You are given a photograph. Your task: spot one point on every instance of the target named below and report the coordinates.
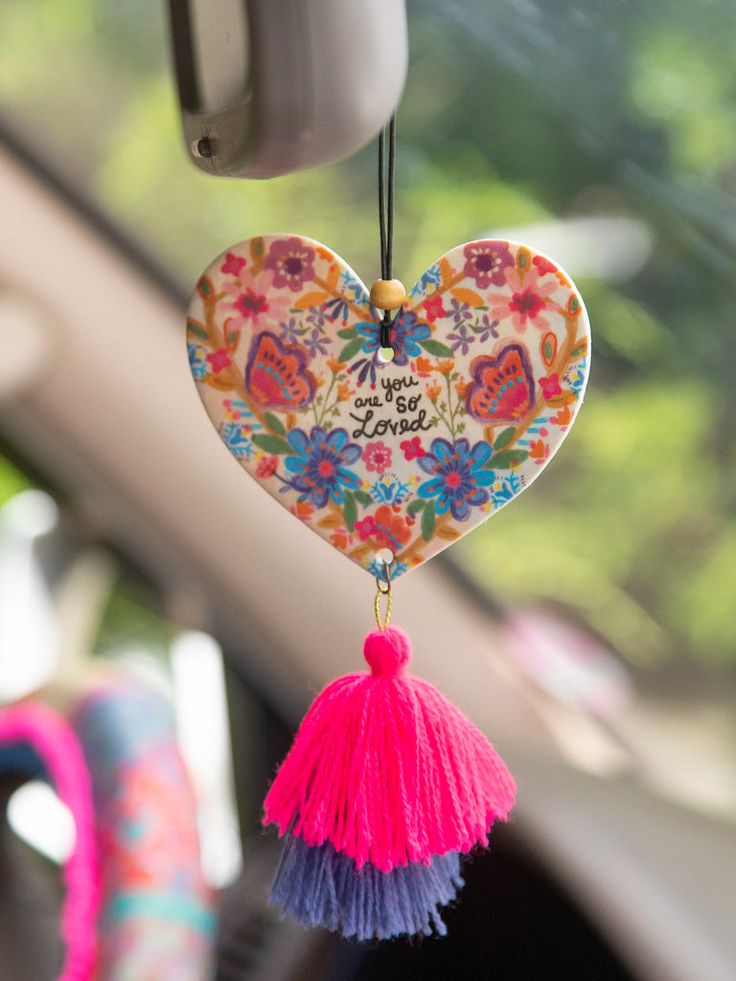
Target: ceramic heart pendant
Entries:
(490, 362)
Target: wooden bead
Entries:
(387, 294)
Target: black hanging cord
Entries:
(386, 188)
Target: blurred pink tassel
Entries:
(56, 745)
(388, 771)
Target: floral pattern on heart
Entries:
(491, 358)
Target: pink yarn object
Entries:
(56, 744)
(387, 770)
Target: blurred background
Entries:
(603, 134)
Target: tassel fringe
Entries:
(386, 785)
(319, 886)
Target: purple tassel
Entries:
(319, 886)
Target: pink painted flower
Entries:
(267, 466)
(219, 360)
(232, 265)
(292, 263)
(525, 302)
(433, 308)
(252, 301)
(249, 304)
(543, 265)
(377, 457)
(412, 448)
(550, 385)
(486, 263)
(365, 528)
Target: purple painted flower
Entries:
(320, 465)
(458, 478)
(486, 328)
(460, 311)
(317, 317)
(316, 343)
(461, 339)
(290, 332)
(292, 263)
(486, 262)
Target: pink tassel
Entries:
(60, 753)
(388, 771)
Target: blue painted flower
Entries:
(235, 439)
(337, 309)
(407, 333)
(378, 569)
(458, 478)
(353, 288)
(197, 360)
(507, 490)
(320, 465)
(576, 376)
(388, 489)
(432, 277)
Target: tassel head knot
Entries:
(387, 652)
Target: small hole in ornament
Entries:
(203, 148)
(385, 556)
(385, 354)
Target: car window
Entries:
(603, 133)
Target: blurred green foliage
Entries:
(514, 113)
(12, 481)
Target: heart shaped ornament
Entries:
(490, 362)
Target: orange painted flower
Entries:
(433, 391)
(563, 417)
(341, 538)
(538, 450)
(423, 367)
(302, 510)
(445, 367)
(334, 365)
(344, 391)
(461, 387)
(391, 529)
(319, 381)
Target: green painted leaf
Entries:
(416, 506)
(507, 459)
(362, 497)
(204, 287)
(436, 349)
(275, 423)
(197, 329)
(347, 333)
(350, 350)
(504, 438)
(350, 511)
(428, 521)
(272, 444)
